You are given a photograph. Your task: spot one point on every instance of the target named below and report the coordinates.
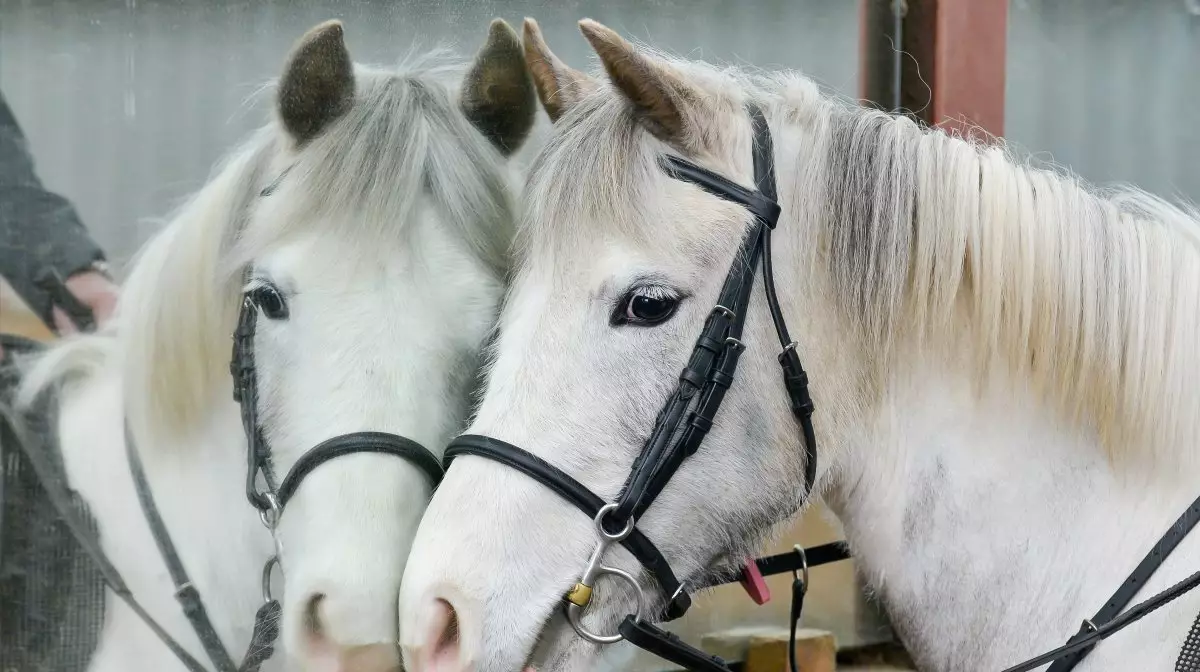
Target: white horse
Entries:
(1004, 363)
(376, 211)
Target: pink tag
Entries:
(754, 583)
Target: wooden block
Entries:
(816, 651)
(732, 644)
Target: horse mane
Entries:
(1091, 294)
(402, 138)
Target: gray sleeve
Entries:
(38, 229)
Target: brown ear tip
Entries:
(326, 32)
(592, 27)
(599, 34)
(330, 28)
(531, 29)
(499, 28)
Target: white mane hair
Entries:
(1088, 293)
(180, 301)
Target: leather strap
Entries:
(1093, 637)
(186, 593)
(791, 561)
(691, 410)
(585, 500)
(35, 451)
(1130, 587)
(668, 646)
(359, 442)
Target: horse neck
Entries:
(946, 469)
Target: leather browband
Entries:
(359, 442)
(764, 208)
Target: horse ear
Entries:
(658, 95)
(497, 95)
(318, 82)
(559, 86)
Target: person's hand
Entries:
(94, 290)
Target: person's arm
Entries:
(40, 229)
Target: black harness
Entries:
(683, 422)
(268, 501)
(687, 417)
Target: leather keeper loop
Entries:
(692, 377)
(700, 422)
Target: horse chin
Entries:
(559, 649)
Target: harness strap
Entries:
(672, 440)
(35, 451)
(1126, 592)
(1093, 637)
(185, 592)
(791, 561)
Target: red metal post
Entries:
(951, 70)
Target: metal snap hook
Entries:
(270, 515)
(803, 565)
(266, 578)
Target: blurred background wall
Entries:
(128, 103)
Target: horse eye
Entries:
(648, 307)
(271, 302)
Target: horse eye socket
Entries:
(271, 302)
(646, 306)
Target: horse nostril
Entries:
(312, 616)
(443, 634)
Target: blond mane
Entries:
(1092, 295)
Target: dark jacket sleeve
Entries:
(38, 229)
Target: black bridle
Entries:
(684, 420)
(270, 501)
(688, 415)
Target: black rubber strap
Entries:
(791, 561)
(585, 500)
(186, 593)
(359, 442)
(1093, 637)
(669, 646)
(1129, 589)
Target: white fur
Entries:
(392, 288)
(1003, 360)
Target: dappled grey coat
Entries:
(38, 228)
